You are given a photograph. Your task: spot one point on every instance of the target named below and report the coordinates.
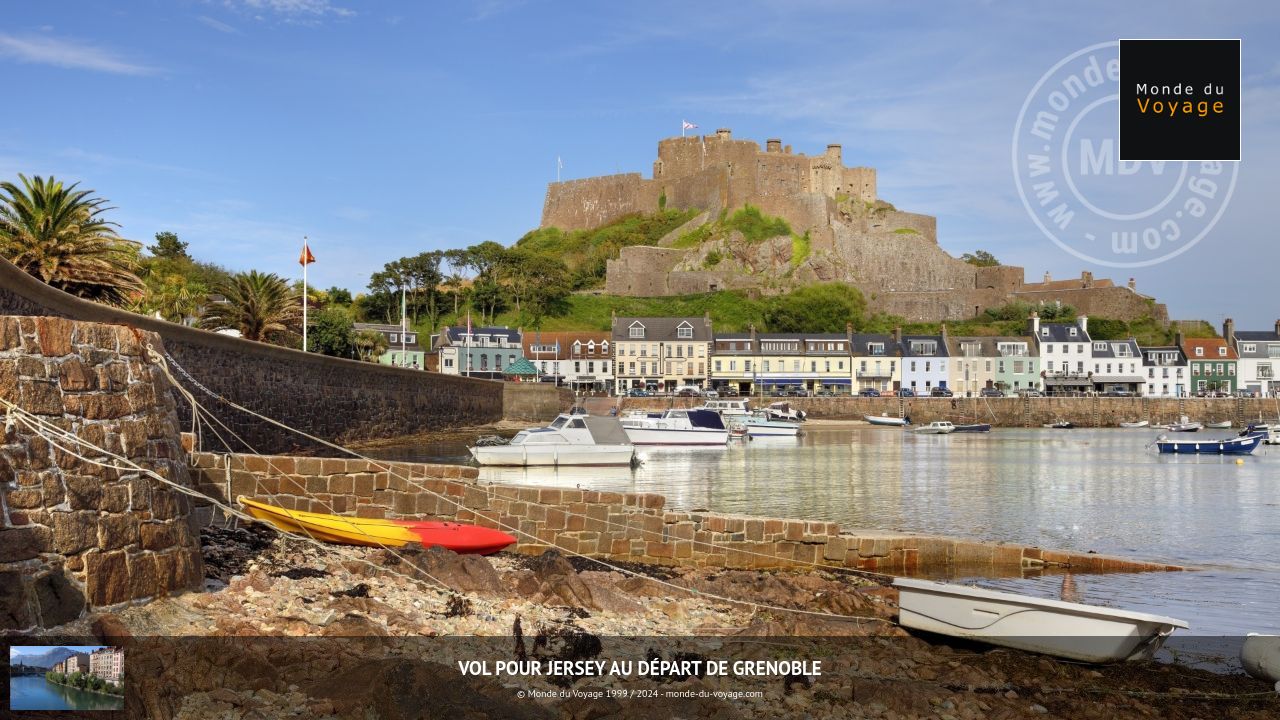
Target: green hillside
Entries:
(584, 252)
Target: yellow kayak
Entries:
(379, 532)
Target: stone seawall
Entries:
(616, 526)
(340, 400)
(75, 535)
(1012, 412)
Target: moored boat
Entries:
(1270, 433)
(761, 424)
(675, 427)
(973, 428)
(1059, 425)
(784, 411)
(937, 427)
(887, 421)
(1135, 424)
(1184, 424)
(1219, 425)
(728, 408)
(380, 532)
(571, 439)
(1239, 445)
(1074, 631)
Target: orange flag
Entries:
(306, 258)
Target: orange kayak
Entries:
(380, 532)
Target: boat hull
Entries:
(1067, 630)
(1133, 425)
(885, 420)
(973, 428)
(670, 436)
(1230, 446)
(553, 455)
(380, 532)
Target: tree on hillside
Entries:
(981, 258)
(422, 272)
(169, 247)
(338, 296)
(825, 307)
(485, 258)
(536, 280)
(487, 296)
(174, 296)
(58, 234)
(331, 332)
(259, 305)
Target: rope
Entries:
(516, 530)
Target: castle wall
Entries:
(592, 202)
(1112, 302)
(641, 271)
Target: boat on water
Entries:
(1059, 425)
(1239, 445)
(379, 532)
(887, 421)
(761, 424)
(675, 427)
(571, 439)
(728, 408)
(784, 411)
(1184, 424)
(937, 427)
(1135, 424)
(1219, 425)
(1074, 631)
(973, 428)
(1270, 433)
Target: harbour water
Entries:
(1087, 490)
(33, 692)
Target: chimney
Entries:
(773, 145)
(897, 334)
(1177, 338)
(848, 333)
(1033, 323)
(724, 134)
(1278, 327)
(943, 330)
(1086, 278)
(786, 150)
(1083, 323)
(752, 328)
(1229, 331)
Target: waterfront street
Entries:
(1083, 490)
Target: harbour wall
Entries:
(1013, 412)
(332, 398)
(635, 527)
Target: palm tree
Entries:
(256, 304)
(57, 233)
(371, 344)
(454, 284)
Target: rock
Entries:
(107, 578)
(461, 573)
(24, 543)
(59, 600)
(15, 609)
(110, 629)
(73, 532)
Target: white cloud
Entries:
(217, 25)
(45, 50)
(293, 11)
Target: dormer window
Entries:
(876, 348)
(1073, 332)
(636, 330)
(604, 346)
(1222, 352)
(1044, 332)
(684, 331)
(1199, 352)
(1099, 347)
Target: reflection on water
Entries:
(1099, 490)
(33, 692)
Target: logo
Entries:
(1075, 187)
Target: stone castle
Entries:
(849, 235)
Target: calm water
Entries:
(1099, 490)
(33, 692)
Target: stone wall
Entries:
(73, 535)
(633, 527)
(534, 402)
(1105, 412)
(340, 400)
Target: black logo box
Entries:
(1186, 68)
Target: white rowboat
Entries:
(937, 427)
(886, 420)
(1135, 424)
(1074, 631)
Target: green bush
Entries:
(756, 226)
(712, 259)
(799, 249)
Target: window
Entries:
(1222, 352)
(395, 337)
(1073, 332)
(717, 366)
(637, 330)
(411, 339)
(1231, 368)
(1017, 366)
(1099, 347)
(746, 366)
(1195, 367)
(1264, 371)
(1249, 348)
(999, 366)
(988, 366)
(766, 366)
(1122, 350)
(684, 331)
(733, 365)
(876, 348)
(1080, 349)
(1199, 352)
(971, 348)
(924, 347)
(1044, 332)
(633, 368)
(1273, 350)
(577, 367)
(448, 362)
(1050, 367)
(1048, 348)
(913, 368)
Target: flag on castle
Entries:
(306, 258)
(686, 125)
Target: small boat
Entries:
(1059, 425)
(379, 532)
(1074, 631)
(1135, 424)
(1260, 657)
(1184, 424)
(784, 411)
(571, 439)
(728, 408)
(762, 424)
(675, 427)
(973, 428)
(1239, 445)
(887, 421)
(937, 427)
(1270, 433)
(1219, 425)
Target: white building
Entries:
(1066, 355)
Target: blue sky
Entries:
(382, 129)
(19, 651)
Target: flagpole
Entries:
(404, 359)
(304, 293)
(558, 166)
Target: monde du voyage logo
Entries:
(1123, 152)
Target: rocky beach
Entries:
(344, 632)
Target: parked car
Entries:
(869, 392)
(688, 391)
(824, 393)
(940, 392)
(711, 394)
(638, 392)
(729, 392)
(905, 392)
(1117, 393)
(795, 392)
(1030, 393)
(991, 392)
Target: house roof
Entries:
(456, 334)
(1061, 332)
(1210, 346)
(521, 367)
(1112, 347)
(662, 328)
(860, 341)
(391, 330)
(1148, 349)
(563, 342)
(989, 345)
(909, 351)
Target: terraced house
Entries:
(1117, 367)
(1213, 365)
(1066, 357)
(581, 360)
(481, 352)
(876, 362)
(924, 362)
(660, 353)
(1167, 370)
(764, 363)
(1003, 363)
(1259, 358)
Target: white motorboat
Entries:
(1184, 424)
(937, 427)
(1074, 631)
(1135, 424)
(761, 424)
(1270, 433)
(728, 408)
(1260, 657)
(784, 411)
(675, 427)
(571, 439)
(1219, 425)
(886, 420)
